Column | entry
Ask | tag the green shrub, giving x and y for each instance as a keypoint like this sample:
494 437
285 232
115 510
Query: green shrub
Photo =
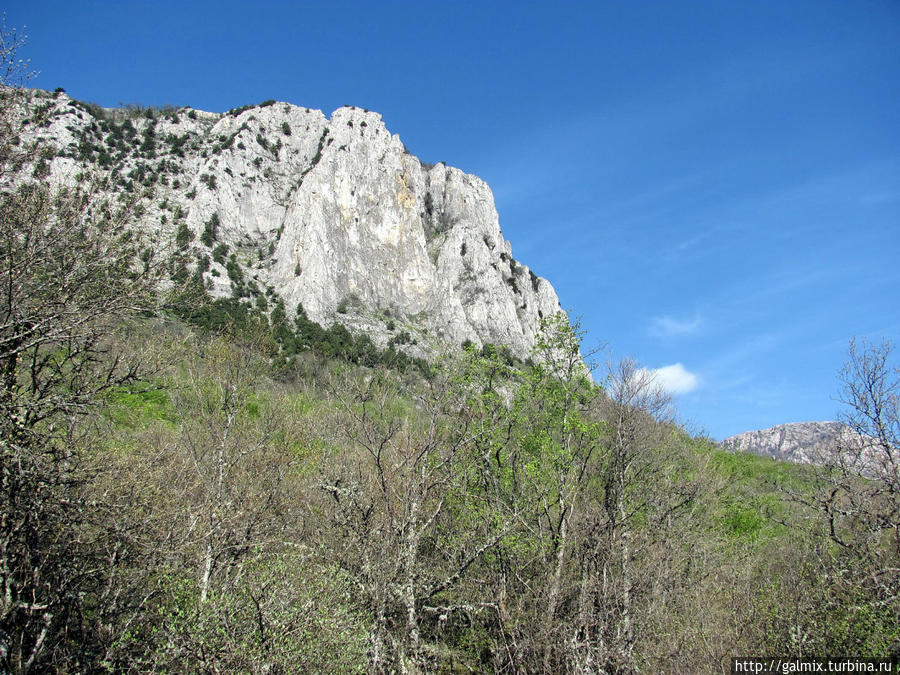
41 169
234 270
183 236
210 230
219 253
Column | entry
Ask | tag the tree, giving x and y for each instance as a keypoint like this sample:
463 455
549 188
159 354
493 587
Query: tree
859 498
230 583
67 279
852 599
560 444
400 501
14 71
70 272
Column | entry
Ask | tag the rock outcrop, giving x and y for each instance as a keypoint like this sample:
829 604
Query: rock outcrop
801 442
818 443
329 213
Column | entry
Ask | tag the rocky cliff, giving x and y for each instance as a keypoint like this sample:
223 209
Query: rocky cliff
819 443
332 213
802 442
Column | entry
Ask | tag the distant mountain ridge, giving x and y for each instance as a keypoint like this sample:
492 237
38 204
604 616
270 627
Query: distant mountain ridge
278 201
800 442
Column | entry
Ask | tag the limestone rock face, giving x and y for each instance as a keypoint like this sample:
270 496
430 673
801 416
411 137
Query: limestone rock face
819 443
329 213
801 442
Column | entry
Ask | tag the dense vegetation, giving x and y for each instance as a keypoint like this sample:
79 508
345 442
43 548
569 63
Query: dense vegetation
198 485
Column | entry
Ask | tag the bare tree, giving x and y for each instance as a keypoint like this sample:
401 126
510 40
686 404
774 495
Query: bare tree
68 277
396 498
14 71
625 557
861 491
855 586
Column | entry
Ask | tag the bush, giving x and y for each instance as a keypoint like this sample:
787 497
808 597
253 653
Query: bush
220 253
183 236
234 270
210 230
41 169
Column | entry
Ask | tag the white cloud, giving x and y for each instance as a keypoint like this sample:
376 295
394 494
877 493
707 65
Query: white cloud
675 379
667 326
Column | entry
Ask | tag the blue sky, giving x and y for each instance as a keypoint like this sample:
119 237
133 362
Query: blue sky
714 187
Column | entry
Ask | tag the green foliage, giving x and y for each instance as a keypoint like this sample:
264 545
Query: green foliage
762 472
234 270
220 253
492 351
138 404
402 338
513 452
148 146
742 520
41 169
309 628
234 317
229 316
210 230
183 236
